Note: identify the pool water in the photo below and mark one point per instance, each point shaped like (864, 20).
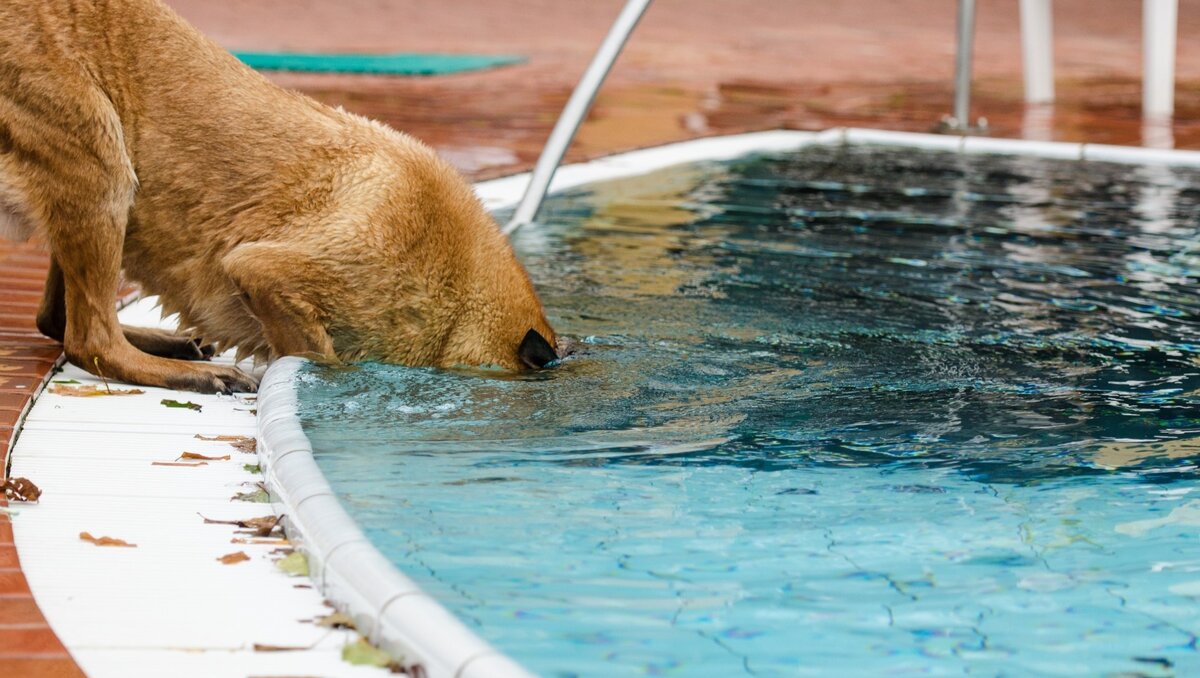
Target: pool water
(847, 411)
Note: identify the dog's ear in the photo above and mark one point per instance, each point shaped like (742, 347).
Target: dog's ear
(535, 351)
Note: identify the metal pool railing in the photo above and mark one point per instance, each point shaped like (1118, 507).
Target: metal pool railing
(573, 113)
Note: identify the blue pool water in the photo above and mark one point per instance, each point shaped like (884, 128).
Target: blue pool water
(849, 411)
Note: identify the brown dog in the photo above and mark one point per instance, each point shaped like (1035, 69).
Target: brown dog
(266, 220)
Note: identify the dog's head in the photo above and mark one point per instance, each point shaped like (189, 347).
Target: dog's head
(438, 283)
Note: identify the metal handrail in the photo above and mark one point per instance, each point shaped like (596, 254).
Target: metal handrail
(574, 112)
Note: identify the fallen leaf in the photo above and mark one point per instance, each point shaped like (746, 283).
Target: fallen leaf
(295, 564)
(259, 496)
(105, 541)
(259, 647)
(235, 557)
(260, 526)
(252, 468)
(186, 405)
(239, 443)
(179, 463)
(362, 653)
(91, 391)
(21, 489)
(260, 541)
(337, 620)
(65, 381)
(195, 455)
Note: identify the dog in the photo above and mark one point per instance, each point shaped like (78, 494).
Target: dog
(266, 220)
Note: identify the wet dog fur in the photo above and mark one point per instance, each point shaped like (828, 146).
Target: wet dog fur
(266, 220)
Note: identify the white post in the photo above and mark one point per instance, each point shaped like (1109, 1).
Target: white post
(1158, 50)
(1037, 51)
(573, 113)
(962, 64)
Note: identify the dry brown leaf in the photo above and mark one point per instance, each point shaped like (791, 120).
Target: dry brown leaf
(235, 557)
(259, 647)
(196, 455)
(337, 620)
(91, 390)
(240, 443)
(260, 541)
(21, 489)
(105, 541)
(261, 526)
(179, 463)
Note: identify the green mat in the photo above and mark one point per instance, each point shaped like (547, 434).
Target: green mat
(383, 64)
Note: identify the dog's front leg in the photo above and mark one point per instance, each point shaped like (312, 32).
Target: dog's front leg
(85, 211)
(94, 339)
(52, 322)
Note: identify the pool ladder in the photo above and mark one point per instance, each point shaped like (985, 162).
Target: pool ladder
(573, 113)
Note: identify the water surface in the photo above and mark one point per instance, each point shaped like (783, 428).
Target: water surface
(849, 411)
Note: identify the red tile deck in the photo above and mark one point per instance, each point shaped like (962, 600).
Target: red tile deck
(694, 68)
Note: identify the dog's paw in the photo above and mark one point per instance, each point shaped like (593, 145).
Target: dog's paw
(222, 380)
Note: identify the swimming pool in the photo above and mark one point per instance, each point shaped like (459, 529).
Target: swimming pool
(848, 410)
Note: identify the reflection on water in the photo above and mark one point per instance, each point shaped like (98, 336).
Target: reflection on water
(862, 408)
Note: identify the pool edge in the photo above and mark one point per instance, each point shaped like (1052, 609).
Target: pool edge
(387, 607)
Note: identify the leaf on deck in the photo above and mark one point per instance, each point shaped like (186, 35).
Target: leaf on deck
(259, 496)
(295, 564)
(105, 541)
(91, 391)
(362, 653)
(261, 526)
(260, 647)
(235, 557)
(205, 457)
(181, 405)
(240, 443)
(252, 468)
(179, 463)
(337, 620)
(21, 489)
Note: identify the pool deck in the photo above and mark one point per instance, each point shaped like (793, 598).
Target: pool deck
(692, 70)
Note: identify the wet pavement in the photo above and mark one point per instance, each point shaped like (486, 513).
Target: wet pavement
(704, 67)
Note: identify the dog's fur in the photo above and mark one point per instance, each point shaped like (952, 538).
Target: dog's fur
(266, 220)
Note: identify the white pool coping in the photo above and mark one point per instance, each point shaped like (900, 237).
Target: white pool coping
(167, 608)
